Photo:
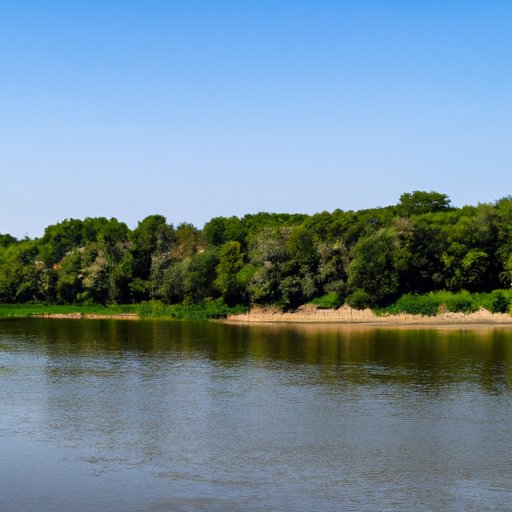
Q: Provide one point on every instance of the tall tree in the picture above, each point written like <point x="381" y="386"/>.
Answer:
<point x="419" y="202"/>
<point x="230" y="263"/>
<point x="152" y="237"/>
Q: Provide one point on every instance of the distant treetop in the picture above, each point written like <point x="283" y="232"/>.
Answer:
<point x="418" y="202"/>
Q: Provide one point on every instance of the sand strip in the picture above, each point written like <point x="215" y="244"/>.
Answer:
<point x="348" y="315"/>
<point x="89" y="316"/>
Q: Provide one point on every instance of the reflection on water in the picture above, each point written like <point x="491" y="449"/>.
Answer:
<point x="116" y="415"/>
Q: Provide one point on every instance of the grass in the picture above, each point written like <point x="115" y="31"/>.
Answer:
<point x="146" y="310"/>
<point x="213" y="309"/>
<point x="328" y="301"/>
<point x="430" y="304"/>
<point x="26" y="310"/>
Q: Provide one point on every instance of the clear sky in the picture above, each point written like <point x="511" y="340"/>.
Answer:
<point x="194" y="109"/>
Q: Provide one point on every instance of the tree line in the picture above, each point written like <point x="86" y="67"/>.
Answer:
<point x="366" y="258"/>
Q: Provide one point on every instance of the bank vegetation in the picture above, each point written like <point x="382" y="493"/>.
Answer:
<point x="420" y="256"/>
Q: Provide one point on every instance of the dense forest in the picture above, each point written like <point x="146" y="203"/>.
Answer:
<point x="362" y="258"/>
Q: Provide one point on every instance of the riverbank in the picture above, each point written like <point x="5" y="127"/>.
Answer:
<point x="67" y="311"/>
<point x="348" y="315"/>
<point x="89" y="316"/>
<point x="258" y="315"/>
<point x="151" y="310"/>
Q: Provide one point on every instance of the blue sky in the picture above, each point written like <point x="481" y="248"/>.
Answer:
<point x="194" y="109"/>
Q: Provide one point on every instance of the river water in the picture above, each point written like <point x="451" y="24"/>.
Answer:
<point x="104" y="415"/>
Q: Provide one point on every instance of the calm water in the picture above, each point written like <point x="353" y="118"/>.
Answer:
<point x="155" y="416"/>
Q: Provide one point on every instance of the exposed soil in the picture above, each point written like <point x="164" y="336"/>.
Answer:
<point x="78" y="316"/>
<point x="348" y="315"/>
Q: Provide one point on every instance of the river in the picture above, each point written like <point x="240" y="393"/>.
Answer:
<point x="106" y="415"/>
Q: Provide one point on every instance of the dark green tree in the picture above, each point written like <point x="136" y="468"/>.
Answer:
<point x="374" y="268"/>
<point x="220" y="230"/>
<point x="200" y="276"/>
<point x="151" y="235"/>
<point x="419" y="202"/>
<point x="230" y="263"/>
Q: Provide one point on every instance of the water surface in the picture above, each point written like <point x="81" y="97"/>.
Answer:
<point x="155" y="416"/>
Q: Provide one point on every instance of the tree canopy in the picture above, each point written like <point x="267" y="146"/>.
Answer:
<point x="366" y="258"/>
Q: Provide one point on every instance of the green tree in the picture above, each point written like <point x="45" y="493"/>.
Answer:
<point x="220" y="230"/>
<point x="7" y="240"/>
<point x="152" y="235"/>
<point x="476" y="230"/>
<point x="58" y="239"/>
<point x="187" y="241"/>
<point x="332" y="264"/>
<point x="473" y="273"/>
<point x="425" y="242"/>
<point x="374" y="267"/>
<point x="268" y="254"/>
<point x="19" y="273"/>
<point x="300" y="268"/>
<point x="420" y="202"/>
<point x="230" y="263"/>
<point x="172" y="287"/>
<point x="107" y="265"/>
<point x="200" y="276"/>
<point x="69" y="277"/>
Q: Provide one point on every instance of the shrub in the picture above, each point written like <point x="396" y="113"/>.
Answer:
<point x="461" y="302"/>
<point x="414" y="304"/>
<point x="359" y="300"/>
<point x="328" y="301"/>
<point x="208" y="309"/>
<point x="500" y="303"/>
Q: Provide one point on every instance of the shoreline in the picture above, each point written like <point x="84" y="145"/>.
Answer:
<point x="346" y="315"/>
<point x="309" y="314"/>
<point x="85" y="316"/>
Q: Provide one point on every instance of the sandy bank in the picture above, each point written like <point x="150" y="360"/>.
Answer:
<point x="89" y="316"/>
<point x="348" y="315"/>
<point x="344" y="315"/>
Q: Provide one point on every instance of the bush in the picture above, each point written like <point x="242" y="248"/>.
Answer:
<point x="359" y="300"/>
<point x="414" y="304"/>
<point x="461" y="302"/>
<point x="500" y="303"/>
<point x="328" y="301"/>
<point x="210" y="309"/>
